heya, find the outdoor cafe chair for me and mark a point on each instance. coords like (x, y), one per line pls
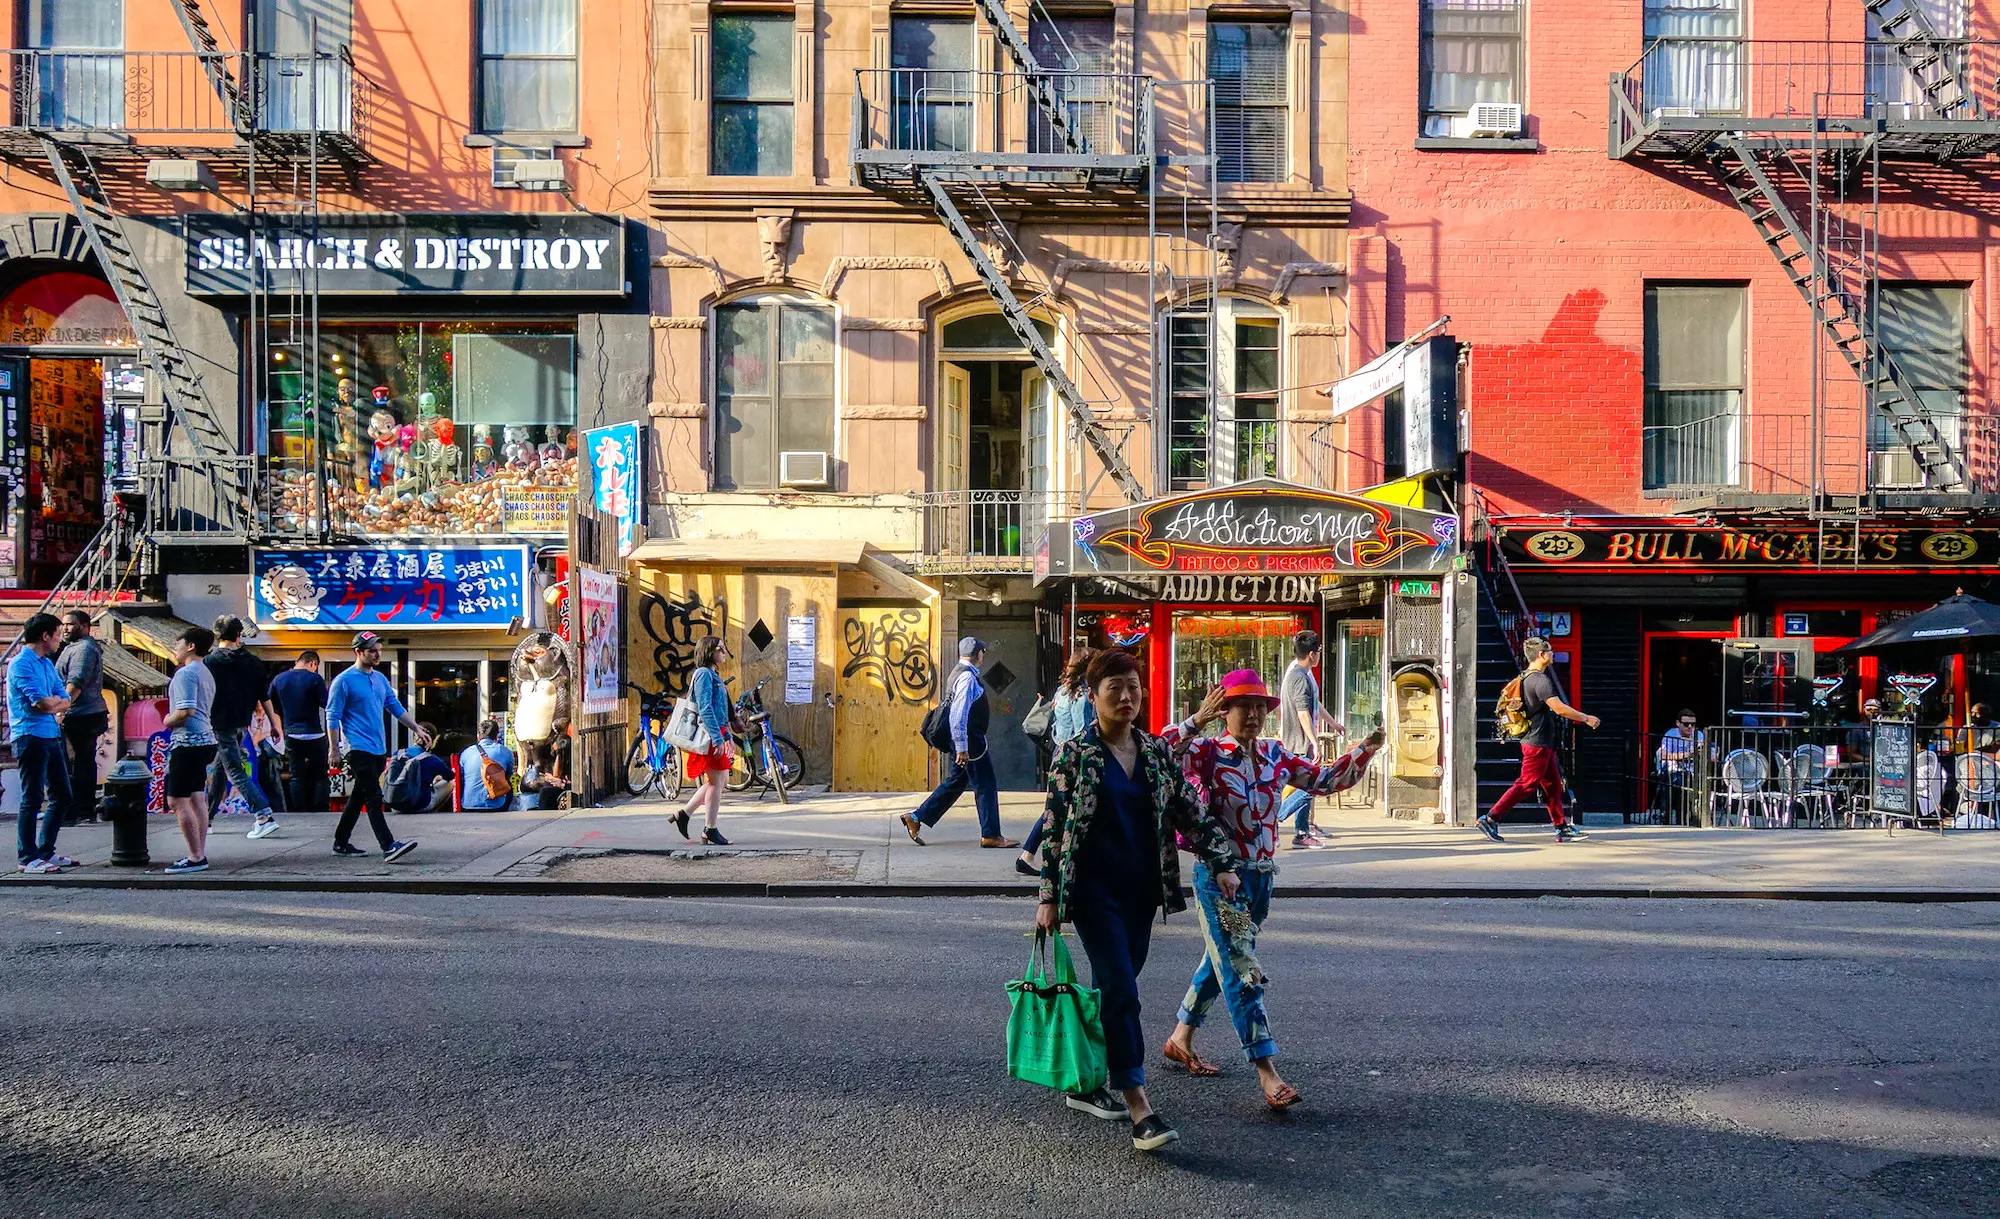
(1746, 775)
(1929, 786)
(1978, 792)
(1811, 790)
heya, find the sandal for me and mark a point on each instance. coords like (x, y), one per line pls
(1284, 1097)
(1192, 1062)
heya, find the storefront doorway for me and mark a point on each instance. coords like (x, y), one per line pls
(1207, 645)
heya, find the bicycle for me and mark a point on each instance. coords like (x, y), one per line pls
(654, 761)
(779, 762)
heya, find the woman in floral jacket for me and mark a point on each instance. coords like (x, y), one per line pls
(1116, 800)
(1243, 778)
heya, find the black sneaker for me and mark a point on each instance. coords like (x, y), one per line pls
(1489, 827)
(347, 848)
(1102, 1103)
(1569, 833)
(1152, 1133)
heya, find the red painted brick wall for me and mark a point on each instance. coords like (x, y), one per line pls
(1541, 259)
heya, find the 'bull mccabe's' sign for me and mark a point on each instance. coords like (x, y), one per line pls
(1256, 528)
(1683, 546)
(557, 254)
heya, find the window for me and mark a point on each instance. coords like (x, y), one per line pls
(1922, 328)
(773, 387)
(1893, 90)
(1083, 51)
(425, 428)
(1471, 53)
(753, 95)
(1246, 61)
(1694, 56)
(1237, 437)
(1694, 385)
(932, 95)
(527, 65)
(78, 90)
(295, 76)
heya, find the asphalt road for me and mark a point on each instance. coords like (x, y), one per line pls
(212, 1054)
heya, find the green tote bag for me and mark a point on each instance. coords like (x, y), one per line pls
(1054, 1037)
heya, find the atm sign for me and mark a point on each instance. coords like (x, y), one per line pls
(1416, 588)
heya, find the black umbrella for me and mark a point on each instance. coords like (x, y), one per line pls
(1958, 624)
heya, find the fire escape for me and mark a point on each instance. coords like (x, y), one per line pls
(119, 132)
(1801, 136)
(985, 150)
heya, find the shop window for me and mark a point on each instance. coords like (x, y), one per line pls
(527, 65)
(1084, 51)
(73, 87)
(933, 82)
(1694, 56)
(1231, 436)
(1471, 53)
(1694, 385)
(429, 428)
(1247, 62)
(1359, 665)
(753, 95)
(1922, 327)
(773, 388)
(1206, 646)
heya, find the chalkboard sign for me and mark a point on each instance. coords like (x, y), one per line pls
(1890, 768)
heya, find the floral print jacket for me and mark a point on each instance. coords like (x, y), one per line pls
(1076, 776)
(1243, 788)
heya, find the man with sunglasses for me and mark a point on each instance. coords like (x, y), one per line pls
(1678, 756)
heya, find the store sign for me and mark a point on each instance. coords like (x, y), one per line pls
(617, 478)
(399, 587)
(1263, 528)
(554, 254)
(1416, 588)
(526, 508)
(1673, 545)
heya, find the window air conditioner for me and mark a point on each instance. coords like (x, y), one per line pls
(541, 175)
(1496, 119)
(1889, 468)
(802, 469)
(1675, 112)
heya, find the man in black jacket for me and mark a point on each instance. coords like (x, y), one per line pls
(240, 685)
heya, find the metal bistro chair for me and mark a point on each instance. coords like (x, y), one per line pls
(1978, 792)
(1811, 791)
(1929, 787)
(1746, 775)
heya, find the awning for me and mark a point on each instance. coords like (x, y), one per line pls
(125, 670)
(150, 633)
(751, 552)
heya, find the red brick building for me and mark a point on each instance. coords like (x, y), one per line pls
(1667, 439)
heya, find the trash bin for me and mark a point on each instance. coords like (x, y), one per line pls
(124, 805)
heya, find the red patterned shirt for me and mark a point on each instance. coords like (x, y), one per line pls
(1243, 788)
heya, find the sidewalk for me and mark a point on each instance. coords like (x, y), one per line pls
(830, 844)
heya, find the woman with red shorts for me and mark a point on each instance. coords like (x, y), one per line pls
(711, 701)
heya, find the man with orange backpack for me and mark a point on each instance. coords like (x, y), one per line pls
(1530, 708)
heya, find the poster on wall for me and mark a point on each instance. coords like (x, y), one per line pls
(801, 636)
(618, 478)
(601, 651)
(374, 587)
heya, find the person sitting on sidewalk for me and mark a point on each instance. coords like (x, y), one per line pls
(472, 794)
(1541, 701)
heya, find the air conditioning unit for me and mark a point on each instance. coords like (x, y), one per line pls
(1495, 119)
(1894, 468)
(537, 173)
(1676, 112)
(803, 469)
(508, 158)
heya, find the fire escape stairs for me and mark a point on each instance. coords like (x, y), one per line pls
(214, 58)
(1841, 312)
(1926, 56)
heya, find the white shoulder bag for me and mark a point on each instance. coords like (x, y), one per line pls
(685, 731)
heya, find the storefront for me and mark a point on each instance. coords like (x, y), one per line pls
(1739, 622)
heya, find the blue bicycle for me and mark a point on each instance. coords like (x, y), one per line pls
(654, 762)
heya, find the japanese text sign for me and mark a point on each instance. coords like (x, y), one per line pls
(617, 478)
(372, 588)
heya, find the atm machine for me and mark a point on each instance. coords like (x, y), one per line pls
(1416, 758)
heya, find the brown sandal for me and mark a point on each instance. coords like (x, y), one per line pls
(1194, 1063)
(1284, 1097)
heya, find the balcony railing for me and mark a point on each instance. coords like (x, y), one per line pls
(986, 531)
(1682, 89)
(938, 117)
(1761, 455)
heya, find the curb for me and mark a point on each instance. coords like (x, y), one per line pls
(500, 887)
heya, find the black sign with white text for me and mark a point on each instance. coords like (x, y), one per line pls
(557, 254)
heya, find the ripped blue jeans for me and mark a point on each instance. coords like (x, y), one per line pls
(1229, 966)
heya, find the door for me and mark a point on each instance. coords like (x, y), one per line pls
(1012, 660)
(304, 84)
(950, 520)
(884, 682)
(1038, 399)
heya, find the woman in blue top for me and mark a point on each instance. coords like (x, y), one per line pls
(711, 701)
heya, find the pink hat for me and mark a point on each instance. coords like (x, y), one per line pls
(1246, 683)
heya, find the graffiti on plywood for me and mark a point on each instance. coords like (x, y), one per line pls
(672, 629)
(892, 648)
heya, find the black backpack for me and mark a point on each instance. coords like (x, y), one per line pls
(936, 728)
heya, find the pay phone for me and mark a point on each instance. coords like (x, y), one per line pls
(1766, 683)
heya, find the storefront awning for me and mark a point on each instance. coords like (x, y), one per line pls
(1264, 527)
(129, 672)
(150, 633)
(750, 552)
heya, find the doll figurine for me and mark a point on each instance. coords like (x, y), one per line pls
(520, 451)
(483, 460)
(382, 430)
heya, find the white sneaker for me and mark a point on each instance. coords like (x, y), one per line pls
(265, 827)
(40, 867)
(64, 861)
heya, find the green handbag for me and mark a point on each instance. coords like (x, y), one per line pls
(1054, 1037)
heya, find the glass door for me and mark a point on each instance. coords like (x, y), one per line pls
(446, 691)
(1359, 675)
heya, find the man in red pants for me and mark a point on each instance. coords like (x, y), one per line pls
(1541, 701)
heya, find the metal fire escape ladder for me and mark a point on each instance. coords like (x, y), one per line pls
(1839, 312)
(214, 58)
(1926, 56)
(1040, 90)
(180, 382)
(1023, 326)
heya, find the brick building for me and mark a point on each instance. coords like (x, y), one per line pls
(1674, 290)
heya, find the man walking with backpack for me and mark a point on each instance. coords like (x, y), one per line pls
(965, 716)
(1541, 702)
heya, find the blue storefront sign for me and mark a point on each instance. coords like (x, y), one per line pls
(618, 477)
(403, 587)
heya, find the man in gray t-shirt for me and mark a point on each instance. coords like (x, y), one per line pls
(1298, 729)
(80, 664)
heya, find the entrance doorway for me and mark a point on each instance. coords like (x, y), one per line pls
(995, 438)
(1683, 672)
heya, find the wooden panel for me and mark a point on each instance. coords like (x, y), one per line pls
(885, 683)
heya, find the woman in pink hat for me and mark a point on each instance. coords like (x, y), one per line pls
(1244, 777)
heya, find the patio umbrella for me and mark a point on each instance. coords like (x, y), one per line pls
(1959, 623)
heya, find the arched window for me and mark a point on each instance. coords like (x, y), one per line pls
(773, 389)
(1222, 375)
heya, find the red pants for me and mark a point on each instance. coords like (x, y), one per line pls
(1539, 772)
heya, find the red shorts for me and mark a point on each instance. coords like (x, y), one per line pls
(699, 764)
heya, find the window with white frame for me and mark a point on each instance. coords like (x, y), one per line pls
(752, 107)
(527, 65)
(773, 387)
(1247, 63)
(1694, 385)
(1694, 56)
(73, 86)
(1471, 53)
(1231, 435)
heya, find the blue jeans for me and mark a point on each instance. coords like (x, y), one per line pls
(1298, 809)
(978, 774)
(44, 777)
(1116, 936)
(1229, 965)
(232, 765)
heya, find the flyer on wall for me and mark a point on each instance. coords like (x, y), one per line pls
(600, 646)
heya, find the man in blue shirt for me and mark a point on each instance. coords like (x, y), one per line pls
(472, 795)
(355, 708)
(35, 697)
(300, 696)
(971, 765)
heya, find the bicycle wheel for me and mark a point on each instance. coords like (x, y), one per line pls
(741, 769)
(639, 773)
(791, 762)
(774, 774)
(672, 773)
